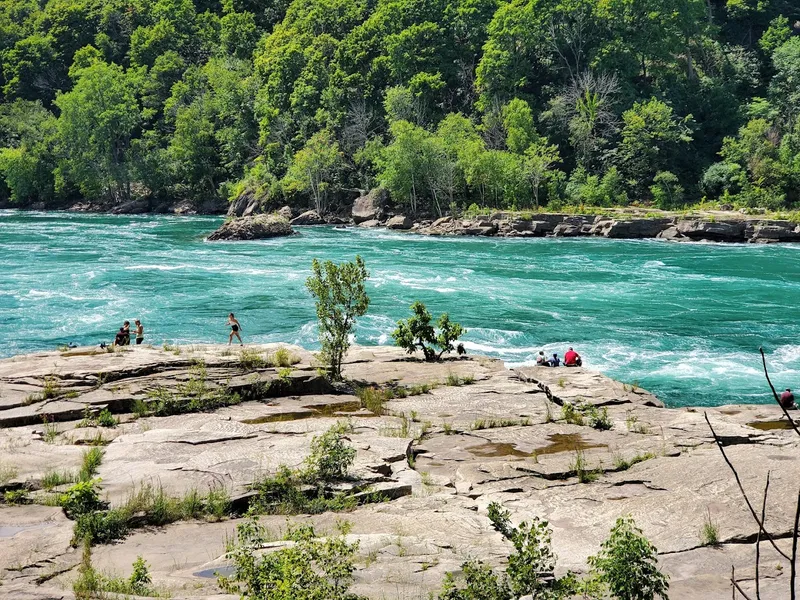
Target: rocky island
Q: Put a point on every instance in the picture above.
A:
(435, 443)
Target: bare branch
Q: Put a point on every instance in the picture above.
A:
(758, 538)
(794, 548)
(775, 394)
(736, 585)
(741, 489)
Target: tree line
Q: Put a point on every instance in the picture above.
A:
(446, 103)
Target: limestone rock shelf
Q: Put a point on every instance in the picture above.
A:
(500, 438)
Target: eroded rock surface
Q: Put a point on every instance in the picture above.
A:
(463, 433)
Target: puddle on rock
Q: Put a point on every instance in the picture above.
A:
(566, 442)
(312, 411)
(212, 573)
(496, 449)
(770, 425)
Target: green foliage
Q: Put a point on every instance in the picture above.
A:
(628, 564)
(90, 462)
(417, 333)
(307, 490)
(16, 497)
(312, 568)
(194, 395)
(709, 533)
(81, 498)
(330, 456)
(531, 565)
(445, 104)
(480, 583)
(340, 297)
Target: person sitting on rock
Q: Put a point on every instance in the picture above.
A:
(555, 361)
(572, 358)
(121, 338)
(541, 360)
(787, 399)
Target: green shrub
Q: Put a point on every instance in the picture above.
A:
(283, 358)
(330, 456)
(417, 333)
(372, 399)
(106, 419)
(311, 569)
(480, 583)
(81, 498)
(15, 497)
(571, 414)
(340, 298)
(532, 564)
(628, 564)
(250, 359)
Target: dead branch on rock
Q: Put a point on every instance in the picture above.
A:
(741, 489)
(794, 547)
(775, 393)
(758, 538)
(736, 585)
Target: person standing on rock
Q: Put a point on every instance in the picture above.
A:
(235, 327)
(139, 330)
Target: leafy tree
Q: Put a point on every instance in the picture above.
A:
(628, 564)
(99, 116)
(666, 190)
(539, 159)
(417, 333)
(651, 138)
(314, 167)
(340, 298)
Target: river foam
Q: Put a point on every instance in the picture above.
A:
(683, 320)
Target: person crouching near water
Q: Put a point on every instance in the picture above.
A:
(235, 327)
(572, 359)
(787, 399)
(139, 331)
(123, 337)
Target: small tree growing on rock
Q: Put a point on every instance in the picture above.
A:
(417, 333)
(628, 564)
(340, 297)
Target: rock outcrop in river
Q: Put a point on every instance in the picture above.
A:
(467, 433)
(254, 227)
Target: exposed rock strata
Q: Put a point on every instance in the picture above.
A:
(501, 438)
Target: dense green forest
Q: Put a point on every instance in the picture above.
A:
(446, 103)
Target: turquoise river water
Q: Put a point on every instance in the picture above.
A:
(682, 320)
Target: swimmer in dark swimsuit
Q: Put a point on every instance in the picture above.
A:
(235, 327)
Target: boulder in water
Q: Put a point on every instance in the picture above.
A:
(399, 222)
(369, 206)
(310, 217)
(256, 227)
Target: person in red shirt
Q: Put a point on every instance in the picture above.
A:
(572, 359)
(787, 399)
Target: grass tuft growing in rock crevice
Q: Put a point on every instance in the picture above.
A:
(310, 489)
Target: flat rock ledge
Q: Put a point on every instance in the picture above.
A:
(468, 432)
(254, 227)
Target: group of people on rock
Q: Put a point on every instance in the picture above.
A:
(571, 359)
(123, 337)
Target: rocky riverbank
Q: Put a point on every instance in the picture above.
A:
(373, 210)
(467, 432)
